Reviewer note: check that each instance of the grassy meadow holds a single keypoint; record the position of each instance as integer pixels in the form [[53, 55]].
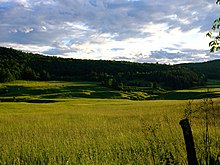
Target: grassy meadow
[[84, 123]]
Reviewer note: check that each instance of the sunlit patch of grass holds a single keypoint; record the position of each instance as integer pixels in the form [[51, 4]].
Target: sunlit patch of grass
[[82, 131], [211, 90], [92, 129], [21, 90]]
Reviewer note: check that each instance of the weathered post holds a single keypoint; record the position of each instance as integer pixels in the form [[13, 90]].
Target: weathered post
[[190, 149]]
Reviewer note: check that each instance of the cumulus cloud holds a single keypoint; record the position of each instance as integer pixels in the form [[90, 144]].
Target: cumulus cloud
[[110, 29]]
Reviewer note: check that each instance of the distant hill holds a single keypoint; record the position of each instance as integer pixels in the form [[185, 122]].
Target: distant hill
[[210, 69], [15, 65]]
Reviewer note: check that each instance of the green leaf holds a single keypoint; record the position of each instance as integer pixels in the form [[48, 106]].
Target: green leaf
[[216, 21], [212, 50], [212, 43], [218, 48], [209, 34], [214, 27]]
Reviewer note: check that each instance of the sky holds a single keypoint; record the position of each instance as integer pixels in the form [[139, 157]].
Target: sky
[[151, 31]]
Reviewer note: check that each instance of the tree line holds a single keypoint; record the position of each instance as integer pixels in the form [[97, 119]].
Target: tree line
[[211, 69], [18, 65]]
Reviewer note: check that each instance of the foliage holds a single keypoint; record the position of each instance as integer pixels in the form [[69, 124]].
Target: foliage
[[17, 65], [210, 69], [3, 90], [215, 43]]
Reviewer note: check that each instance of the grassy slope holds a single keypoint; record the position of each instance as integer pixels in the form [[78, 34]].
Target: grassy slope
[[211, 90], [53, 91], [91, 130], [57, 90]]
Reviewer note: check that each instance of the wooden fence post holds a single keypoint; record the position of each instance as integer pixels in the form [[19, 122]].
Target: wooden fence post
[[190, 149]]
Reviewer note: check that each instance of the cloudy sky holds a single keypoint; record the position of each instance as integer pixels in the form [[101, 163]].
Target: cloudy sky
[[134, 30]]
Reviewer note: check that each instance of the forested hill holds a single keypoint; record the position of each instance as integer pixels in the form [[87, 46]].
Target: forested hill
[[211, 69], [16, 65]]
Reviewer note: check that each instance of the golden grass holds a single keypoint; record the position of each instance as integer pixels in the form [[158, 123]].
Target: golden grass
[[95, 131]]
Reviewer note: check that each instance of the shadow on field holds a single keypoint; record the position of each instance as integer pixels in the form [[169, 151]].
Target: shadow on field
[[187, 95], [46, 94], [83, 92], [53, 91], [26, 100]]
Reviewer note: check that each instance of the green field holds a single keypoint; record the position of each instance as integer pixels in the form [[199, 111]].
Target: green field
[[84, 123]]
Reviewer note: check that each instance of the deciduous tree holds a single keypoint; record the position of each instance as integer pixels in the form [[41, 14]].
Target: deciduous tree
[[214, 34]]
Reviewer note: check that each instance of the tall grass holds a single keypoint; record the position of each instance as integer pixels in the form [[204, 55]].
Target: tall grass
[[205, 115], [94, 131], [85, 131]]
